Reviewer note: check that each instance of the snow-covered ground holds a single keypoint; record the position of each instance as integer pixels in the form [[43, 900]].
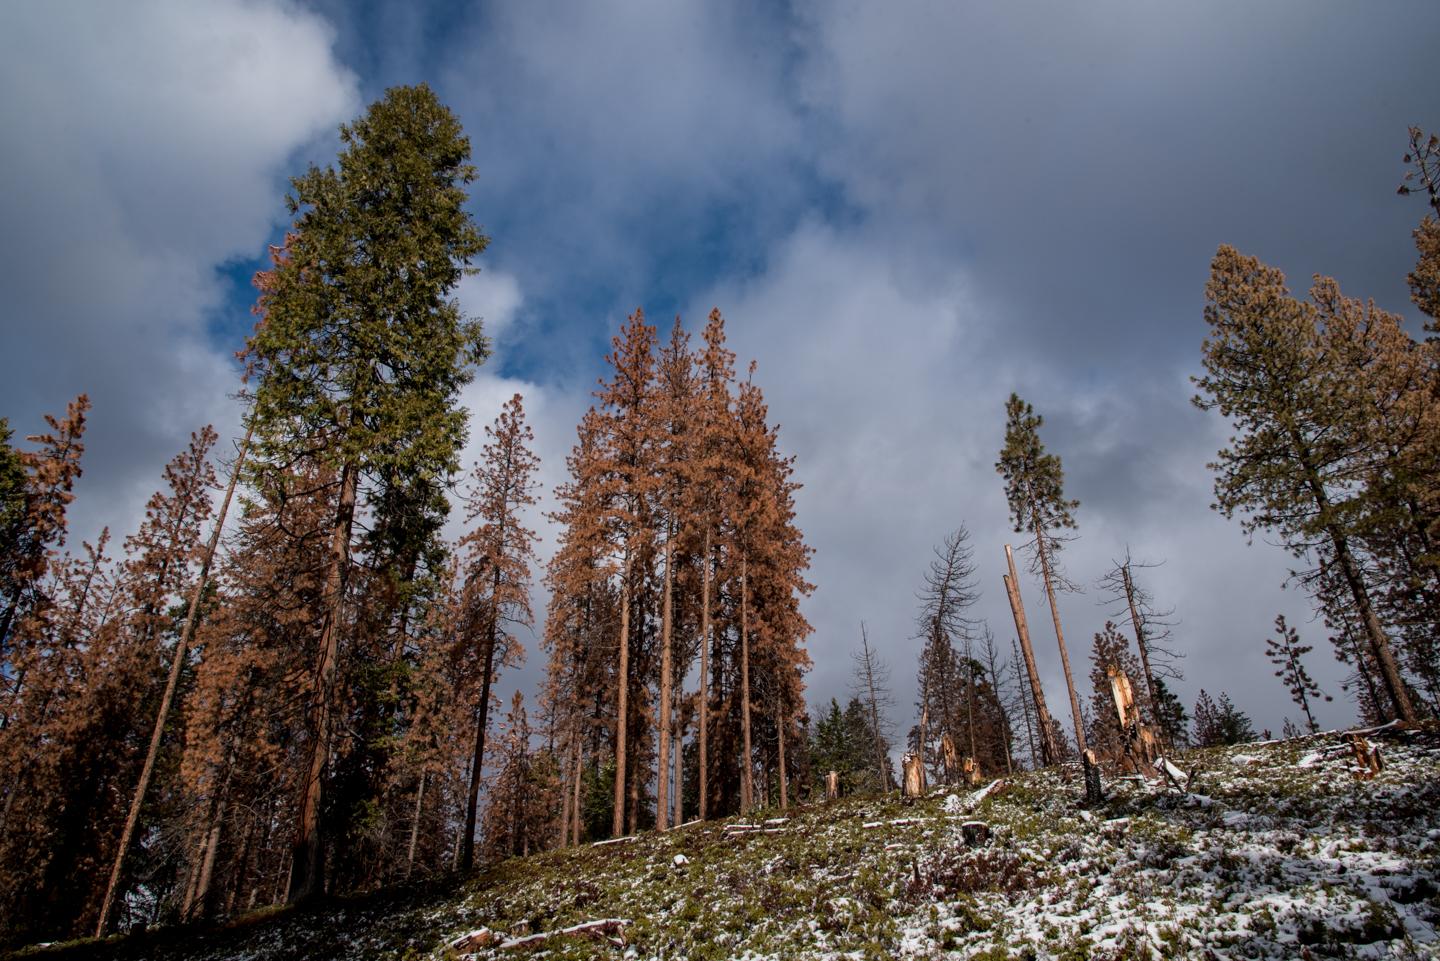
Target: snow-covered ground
[[1278, 851]]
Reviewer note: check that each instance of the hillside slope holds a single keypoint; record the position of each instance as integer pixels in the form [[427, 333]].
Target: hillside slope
[[1279, 851]]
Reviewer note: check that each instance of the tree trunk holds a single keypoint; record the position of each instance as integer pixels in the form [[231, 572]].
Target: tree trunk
[[914, 776], [1060, 639], [662, 790], [415, 826], [177, 663], [747, 785], [482, 721], [1379, 643], [677, 746], [880, 762], [1144, 653], [780, 738], [1026, 704], [704, 730], [617, 827], [1048, 751], [575, 796], [307, 865]]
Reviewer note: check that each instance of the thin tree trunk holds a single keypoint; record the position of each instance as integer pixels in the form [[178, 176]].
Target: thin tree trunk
[[880, 761], [780, 738], [307, 867], [747, 785], [662, 796], [1026, 704], [1048, 748], [704, 730], [1379, 643], [415, 826], [177, 663], [617, 826], [482, 722], [1060, 639], [970, 702], [207, 863], [575, 800], [677, 746], [1144, 652]]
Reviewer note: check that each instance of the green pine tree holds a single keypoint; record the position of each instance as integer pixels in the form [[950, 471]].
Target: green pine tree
[[1291, 467], [361, 351], [1035, 490]]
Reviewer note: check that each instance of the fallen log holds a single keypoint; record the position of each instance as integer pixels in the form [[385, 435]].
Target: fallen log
[[609, 930]]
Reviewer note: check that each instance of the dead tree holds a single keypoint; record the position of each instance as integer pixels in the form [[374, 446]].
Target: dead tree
[[1048, 750]]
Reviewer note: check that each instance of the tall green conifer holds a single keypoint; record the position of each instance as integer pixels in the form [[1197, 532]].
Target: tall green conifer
[[1035, 489], [361, 351]]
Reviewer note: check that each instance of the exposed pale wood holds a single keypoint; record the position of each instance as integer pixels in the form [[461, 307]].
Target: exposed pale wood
[[1048, 751], [913, 777]]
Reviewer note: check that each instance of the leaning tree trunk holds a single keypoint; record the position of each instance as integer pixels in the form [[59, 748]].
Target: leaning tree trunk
[[1379, 643], [1048, 750], [162, 713], [1060, 639], [482, 719]]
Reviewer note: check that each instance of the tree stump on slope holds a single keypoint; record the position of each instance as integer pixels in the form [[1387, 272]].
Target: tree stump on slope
[[914, 776]]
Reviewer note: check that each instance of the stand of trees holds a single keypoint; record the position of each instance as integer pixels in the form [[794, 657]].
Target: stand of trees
[[679, 566]]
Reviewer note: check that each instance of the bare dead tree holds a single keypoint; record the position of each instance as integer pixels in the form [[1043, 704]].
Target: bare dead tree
[[1152, 626], [871, 684]]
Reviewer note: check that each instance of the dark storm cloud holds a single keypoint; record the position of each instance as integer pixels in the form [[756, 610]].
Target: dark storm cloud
[[906, 211]]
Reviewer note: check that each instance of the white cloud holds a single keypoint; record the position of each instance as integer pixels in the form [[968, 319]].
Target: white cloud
[[494, 297], [145, 144]]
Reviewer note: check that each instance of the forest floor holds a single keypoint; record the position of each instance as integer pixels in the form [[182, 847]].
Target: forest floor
[[1279, 850]]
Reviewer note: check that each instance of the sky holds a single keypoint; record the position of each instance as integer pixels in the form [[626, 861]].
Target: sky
[[905, 211]]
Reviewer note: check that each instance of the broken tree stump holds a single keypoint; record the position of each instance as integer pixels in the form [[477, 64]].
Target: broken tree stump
[[949, 757], [832, 785], [975, 833], [1367, 757], [913, 776], [1094, 790], [970, 771]]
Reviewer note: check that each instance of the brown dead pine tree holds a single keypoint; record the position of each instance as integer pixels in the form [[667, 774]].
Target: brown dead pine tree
[[498, 555]]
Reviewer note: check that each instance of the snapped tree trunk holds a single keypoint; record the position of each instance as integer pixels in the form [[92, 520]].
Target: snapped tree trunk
[[1144, 652], [1048, 750]]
